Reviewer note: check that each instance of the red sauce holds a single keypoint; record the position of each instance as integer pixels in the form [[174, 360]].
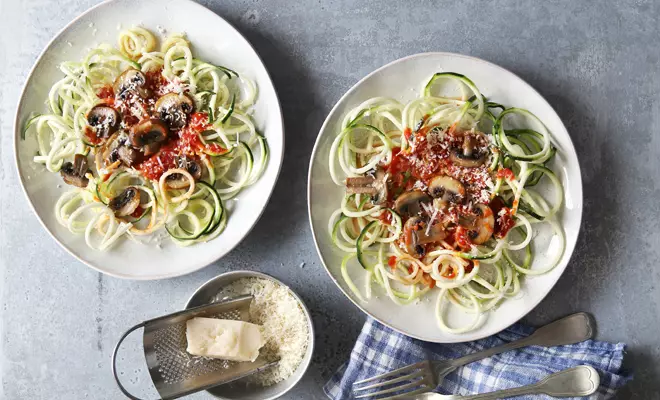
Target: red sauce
[[91, 137], [107, 94], [185, 141], [392, 262], [469, 267], [156, 165], [506, 173], [430, 282], [386, 218], [424, 160], [451, 274], [138, 212], [189, 136], [428, 155], [504, 222], [461, 238], [496, 204], [156, 82]]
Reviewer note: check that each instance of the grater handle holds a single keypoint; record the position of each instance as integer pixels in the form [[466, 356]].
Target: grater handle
[[114, 361]]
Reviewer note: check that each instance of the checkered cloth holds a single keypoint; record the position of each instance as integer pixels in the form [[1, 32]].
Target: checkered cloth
[[379, 349]]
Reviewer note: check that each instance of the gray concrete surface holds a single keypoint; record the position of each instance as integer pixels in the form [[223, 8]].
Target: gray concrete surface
[[595, 61]]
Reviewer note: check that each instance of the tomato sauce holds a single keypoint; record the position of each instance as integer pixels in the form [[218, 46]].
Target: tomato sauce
[[185, 141], [503, 217], [138, 212], [506, 173], [386, 218], [392, 262], [107, 94], [91, 137], [156, 165], [461, 238]]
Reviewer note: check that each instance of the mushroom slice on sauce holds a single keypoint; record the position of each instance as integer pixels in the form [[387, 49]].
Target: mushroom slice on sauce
[[417, 233], [74, 172], [130, 81], [374, 185], [480, 226], [148, 135], [468, 155], [409, 203], [126, 202], [104, 120], [445, 190], [174, 108], [178, 181]]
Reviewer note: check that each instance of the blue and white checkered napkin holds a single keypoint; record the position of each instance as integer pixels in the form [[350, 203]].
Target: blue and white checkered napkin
[[379, 349]]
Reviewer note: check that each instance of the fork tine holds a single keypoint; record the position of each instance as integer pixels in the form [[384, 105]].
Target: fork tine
[[392, 381], [407, 395], [401, 370], [416, 384]]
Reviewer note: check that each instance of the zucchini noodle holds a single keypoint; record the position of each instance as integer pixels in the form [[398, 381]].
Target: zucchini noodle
[[443, 192], [182, 144]]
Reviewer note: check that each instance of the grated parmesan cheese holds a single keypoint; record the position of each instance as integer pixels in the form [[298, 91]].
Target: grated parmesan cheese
[[283, 326]]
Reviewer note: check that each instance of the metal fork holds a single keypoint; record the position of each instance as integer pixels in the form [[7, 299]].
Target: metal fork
[[576, 381], [424, 376]]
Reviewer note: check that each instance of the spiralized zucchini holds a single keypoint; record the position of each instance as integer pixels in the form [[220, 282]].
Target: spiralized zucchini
[[474, 280], [190, 215]]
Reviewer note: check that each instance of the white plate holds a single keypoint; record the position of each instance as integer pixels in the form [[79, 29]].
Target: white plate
[[212, 39], [403, 80]]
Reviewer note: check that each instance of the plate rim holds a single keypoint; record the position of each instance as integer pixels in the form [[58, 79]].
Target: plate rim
[[569, 246], [16, 130]]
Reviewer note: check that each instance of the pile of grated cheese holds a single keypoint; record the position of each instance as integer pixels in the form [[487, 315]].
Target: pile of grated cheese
[[283, 326]]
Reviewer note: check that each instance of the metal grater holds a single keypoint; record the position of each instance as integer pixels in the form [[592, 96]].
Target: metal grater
[[176, 373]]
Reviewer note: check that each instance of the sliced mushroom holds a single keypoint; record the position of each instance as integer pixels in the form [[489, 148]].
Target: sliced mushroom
[[481, 225], [374, 185], [74, 172], [130, 81], [174, 108], [117, 148], [126, 202], [468, 155], [148, 135], [417, 233], [446, 190], [178, 181], [104, 120], [127, 155], [409, 203]]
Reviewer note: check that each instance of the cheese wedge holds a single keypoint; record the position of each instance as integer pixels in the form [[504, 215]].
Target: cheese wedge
[[224, 339]]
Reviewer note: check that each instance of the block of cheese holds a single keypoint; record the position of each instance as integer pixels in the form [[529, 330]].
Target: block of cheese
[[222, 338]]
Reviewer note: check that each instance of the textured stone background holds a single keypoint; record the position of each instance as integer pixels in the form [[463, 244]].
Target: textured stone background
[[595, 61]]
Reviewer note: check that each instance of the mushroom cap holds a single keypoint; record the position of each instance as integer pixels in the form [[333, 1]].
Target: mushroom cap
[[74, 172], [467, 155], [447, 188], [178, 181], [474, 160], [127, 155], [481, 225], [417, 233], [126, 202], [104, 120], [173, 108], [148, 134], [131, 80], [408, 203]]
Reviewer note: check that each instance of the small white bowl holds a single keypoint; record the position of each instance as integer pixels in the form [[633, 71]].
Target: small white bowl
[[205, 295]]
